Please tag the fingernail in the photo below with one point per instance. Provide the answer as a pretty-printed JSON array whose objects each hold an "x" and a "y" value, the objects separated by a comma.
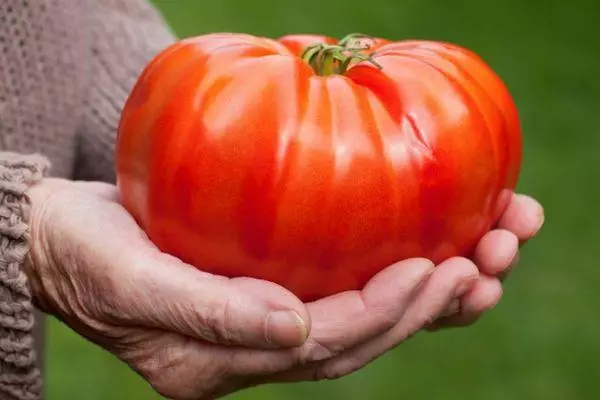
[
  {"x": 514, "y": 261},
  {"x": 285, "y": 328},
  {"x": 539, "y": 227},
  {"x": 465, "y": 286},
  {"x": 511, "y": 266},
  {"x": 542, "y": 222}
]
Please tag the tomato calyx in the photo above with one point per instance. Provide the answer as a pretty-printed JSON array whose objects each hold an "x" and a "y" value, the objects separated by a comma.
[{"x": 326, "y": 59}]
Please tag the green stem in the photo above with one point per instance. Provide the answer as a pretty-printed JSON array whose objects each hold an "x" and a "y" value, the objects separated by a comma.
[
  {"x": 328, "y": 59},
  {"x": 352, "y": 38}
]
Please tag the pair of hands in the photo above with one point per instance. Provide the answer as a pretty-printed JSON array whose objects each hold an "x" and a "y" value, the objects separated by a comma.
[{"x": 193, "y": 335}]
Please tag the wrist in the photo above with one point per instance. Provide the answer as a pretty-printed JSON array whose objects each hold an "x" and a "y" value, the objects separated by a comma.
[{"x": 36, "y": 263}]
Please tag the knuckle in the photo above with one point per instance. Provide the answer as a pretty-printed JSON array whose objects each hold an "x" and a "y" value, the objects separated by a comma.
[
  {"x": 385, "y": 314},
  {"x": 164, "y": 368},
  {"x": 215, "y": 322},
  {"x": 313, "y": 351},
  {"x": 387, "y": 321},
  {"x": 461, "y": 261},
  {"x": 428, "y": 319},
  {"x": 406, "y": 332},
  {"x": 458, "y": 268},
  {"x": 339, "y": 369}
]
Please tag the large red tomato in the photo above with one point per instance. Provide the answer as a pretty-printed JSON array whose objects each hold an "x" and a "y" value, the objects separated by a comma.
[{"x": 247, "y": 156}]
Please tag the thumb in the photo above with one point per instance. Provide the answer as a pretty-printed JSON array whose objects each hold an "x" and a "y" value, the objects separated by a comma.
[{"x": 168, "y": 294}]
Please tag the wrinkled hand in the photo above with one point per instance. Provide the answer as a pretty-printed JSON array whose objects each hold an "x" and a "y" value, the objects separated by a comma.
[{"x": 193, "y": 335}]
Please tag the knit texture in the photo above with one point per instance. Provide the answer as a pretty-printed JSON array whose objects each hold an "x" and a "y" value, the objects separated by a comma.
[
  {"x": 41, "y": 84},
  {"x": 66, "y": 68},
  {"x": 125, "y": 36},
  {"x": 19, "y": 377}
]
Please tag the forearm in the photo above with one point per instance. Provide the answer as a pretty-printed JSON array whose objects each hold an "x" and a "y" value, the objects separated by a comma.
[
  {"x": 19, "y": 377},
  {"x": 126, "y": 34}
]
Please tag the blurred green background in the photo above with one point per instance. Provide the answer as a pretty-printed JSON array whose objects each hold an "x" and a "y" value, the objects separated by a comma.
[{"x": 543, "y": 340}]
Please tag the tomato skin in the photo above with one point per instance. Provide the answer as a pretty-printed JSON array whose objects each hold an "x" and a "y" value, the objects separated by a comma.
[{"x": 235, "y": 157}]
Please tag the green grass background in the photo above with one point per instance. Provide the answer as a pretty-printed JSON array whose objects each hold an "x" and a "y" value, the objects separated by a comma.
[{"x": 543, "y": 341}]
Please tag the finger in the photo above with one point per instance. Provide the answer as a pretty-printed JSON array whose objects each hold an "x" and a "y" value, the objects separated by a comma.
[
  {"x": 450, "y": 280},
  {"x": 524, "y": 217},
  {"x": 342, "y": 321},
  {"x": 502, "y": 276},
  {"x": 345, "y": 320},
  {"x": 164, "y": 293},
  {"x": 485, "y": 295},
  {"x": 496, "y": 252},
  {"x": 452, "y": 309},
  {"x": 179, "y": 368}
]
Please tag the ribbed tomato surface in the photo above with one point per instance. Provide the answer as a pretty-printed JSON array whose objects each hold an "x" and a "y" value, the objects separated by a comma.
[{"x": 236, "y": 157}]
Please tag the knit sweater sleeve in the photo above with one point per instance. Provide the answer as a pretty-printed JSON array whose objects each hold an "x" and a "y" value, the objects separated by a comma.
[
  {"x": 43, "y": 68},
  {"x": 19, "y": 377},
  {"x": 126, "y": 35}
]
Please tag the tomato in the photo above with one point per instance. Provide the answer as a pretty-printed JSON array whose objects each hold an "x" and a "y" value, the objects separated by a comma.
[{"x": 315, "y": 164}]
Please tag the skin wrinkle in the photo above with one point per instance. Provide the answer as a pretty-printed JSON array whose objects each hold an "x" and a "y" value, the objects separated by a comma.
[
  {"x": 328, "y": 353},
  {"x": 305, "y": 356},
  {"x": 69, "y": 292}
]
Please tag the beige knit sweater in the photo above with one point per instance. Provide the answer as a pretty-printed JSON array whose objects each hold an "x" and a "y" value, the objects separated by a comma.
[{"x": 66, "y": 68}]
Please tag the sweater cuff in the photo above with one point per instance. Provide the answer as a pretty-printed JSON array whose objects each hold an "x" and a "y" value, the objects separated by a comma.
[{"x": 19, "y": 377}]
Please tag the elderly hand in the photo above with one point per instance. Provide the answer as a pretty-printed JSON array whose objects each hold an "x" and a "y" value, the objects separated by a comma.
[{"x": 192, "y": 335}]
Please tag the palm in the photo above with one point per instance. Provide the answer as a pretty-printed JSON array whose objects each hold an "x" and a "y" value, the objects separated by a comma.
[{"x": 173, "y": 323}]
